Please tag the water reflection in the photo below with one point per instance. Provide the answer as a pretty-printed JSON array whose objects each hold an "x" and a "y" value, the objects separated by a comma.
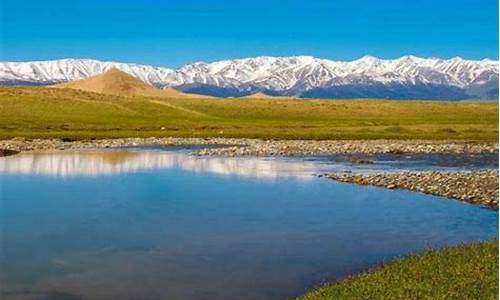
[
  {"x": 93, "y": 163},
  {"x": 171, "y": 230}
]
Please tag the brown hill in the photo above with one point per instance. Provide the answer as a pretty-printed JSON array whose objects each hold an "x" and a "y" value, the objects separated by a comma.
[
  {"x": 261, "y": 95},
  {"x": 116, "y": 82}
]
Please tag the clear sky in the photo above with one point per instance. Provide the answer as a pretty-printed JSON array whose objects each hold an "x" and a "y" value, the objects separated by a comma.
[{"x": 172, "y": 33}]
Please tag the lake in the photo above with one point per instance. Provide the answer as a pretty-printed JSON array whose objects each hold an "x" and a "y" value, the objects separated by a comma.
[{"x": 146, "y": 223}]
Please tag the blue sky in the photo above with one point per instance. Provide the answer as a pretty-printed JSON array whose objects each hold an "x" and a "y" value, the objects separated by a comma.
[{"x": 172, "y": 33}]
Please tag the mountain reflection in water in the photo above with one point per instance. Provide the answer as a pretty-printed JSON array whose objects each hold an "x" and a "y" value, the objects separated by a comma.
[{"x": 93, "y": 163}]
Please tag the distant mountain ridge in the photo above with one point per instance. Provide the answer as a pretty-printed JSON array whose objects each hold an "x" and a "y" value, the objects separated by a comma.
[{"x": 408, "y": 77}]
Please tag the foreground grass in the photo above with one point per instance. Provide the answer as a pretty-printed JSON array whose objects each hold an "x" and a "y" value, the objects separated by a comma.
[
  {"x": 466, "y": 272},
  {"x": 45, "y": 112}
]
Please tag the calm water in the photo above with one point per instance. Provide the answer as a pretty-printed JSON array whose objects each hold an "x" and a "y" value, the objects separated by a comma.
[
  {"x": 166, "y": 225},
  {"x": 412, "y": 162}
]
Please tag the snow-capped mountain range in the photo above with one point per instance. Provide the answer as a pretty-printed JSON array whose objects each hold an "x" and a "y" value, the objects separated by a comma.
[{"x": 408, "y": 77}]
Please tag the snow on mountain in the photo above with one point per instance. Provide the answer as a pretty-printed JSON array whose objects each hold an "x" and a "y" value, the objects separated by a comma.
[
  {"x": 405, "y": 77},
  {"x": 56, "y": 71}
]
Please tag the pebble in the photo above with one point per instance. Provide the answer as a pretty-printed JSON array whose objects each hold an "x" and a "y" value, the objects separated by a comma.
[{"x": 7, "y": 152}]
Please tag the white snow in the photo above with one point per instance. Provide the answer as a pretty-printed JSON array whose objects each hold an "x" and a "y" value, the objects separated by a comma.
[{"x": 270, "y": 73}]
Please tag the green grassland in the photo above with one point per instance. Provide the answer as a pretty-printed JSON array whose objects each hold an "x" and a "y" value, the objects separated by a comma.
[
  {"x": 46, "y": 112},
  {"x": 465, "y": 272}
]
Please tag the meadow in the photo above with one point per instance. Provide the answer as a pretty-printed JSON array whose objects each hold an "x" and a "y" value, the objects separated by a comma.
[
  {"x": 38, "y": 112},
  {"x": 463, "y": 272}
]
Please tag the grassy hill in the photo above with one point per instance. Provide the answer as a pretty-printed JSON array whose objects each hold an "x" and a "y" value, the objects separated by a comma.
[{"x": 50, "y": 112}]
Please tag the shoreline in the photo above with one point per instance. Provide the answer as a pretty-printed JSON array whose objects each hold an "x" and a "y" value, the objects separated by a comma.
[
  {"x": 258, "y": 147},
  {"x": 475, "y": 187}
]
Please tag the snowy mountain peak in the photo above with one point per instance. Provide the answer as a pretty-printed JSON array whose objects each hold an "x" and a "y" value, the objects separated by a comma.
[
  {"x": 405, "y": 77},
  {"x": 369, "y": 58}
]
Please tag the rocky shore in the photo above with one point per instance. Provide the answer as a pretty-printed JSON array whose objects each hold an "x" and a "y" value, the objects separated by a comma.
[
  {"x": 477, "y": 187},
  {"x": 256, "y": 147},
  {"x": 22, "y": 144},
  {"x": 305, "y": 147}
]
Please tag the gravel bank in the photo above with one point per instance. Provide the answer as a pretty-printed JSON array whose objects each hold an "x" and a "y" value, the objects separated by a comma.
[
  {"x": 477, "y": 187},
  {"x": 21, "y": 144},
  {"x": 255, "y": 147},
  {"x": 305, "y": 147}
]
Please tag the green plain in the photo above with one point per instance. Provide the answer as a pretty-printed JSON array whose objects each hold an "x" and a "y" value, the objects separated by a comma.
[{"x": 57, "y": 113}]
